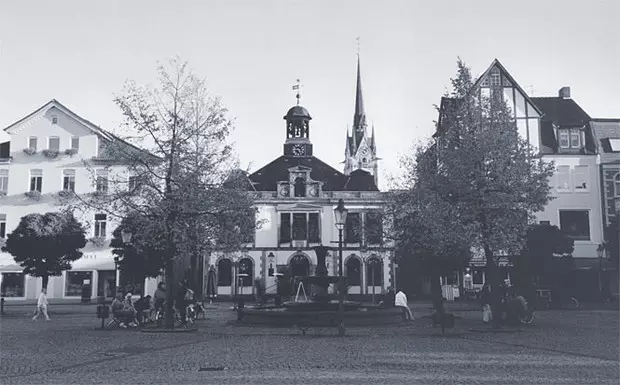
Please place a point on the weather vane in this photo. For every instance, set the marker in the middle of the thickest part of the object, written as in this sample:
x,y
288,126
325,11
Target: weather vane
x,y
297,87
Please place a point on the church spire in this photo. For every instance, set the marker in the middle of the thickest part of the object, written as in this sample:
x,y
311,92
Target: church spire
x,y
359,117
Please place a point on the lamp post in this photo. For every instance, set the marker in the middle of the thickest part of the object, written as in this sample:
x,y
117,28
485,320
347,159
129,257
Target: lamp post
x,y
600,251
126,238
340,216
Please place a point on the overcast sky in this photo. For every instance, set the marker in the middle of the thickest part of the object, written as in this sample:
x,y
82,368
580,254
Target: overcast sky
x,y
81,52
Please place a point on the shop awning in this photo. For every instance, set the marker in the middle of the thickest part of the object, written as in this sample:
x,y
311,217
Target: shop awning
x,y
91,260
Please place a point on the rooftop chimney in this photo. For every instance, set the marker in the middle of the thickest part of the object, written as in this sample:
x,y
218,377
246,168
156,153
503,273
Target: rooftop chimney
x,y
564,93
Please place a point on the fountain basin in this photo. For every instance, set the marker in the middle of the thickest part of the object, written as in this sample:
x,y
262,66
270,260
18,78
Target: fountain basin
x,y
319,305
285,317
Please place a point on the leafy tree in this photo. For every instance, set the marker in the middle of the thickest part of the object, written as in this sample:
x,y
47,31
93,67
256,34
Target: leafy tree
x,y
480,181
46,244
544,259
184,183
144,256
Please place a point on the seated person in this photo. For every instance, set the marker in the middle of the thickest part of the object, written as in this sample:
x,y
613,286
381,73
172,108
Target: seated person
x,y
143,308
122,312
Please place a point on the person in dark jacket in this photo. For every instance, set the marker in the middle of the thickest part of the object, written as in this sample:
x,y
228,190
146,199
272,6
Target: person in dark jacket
x,y
180,301
160,296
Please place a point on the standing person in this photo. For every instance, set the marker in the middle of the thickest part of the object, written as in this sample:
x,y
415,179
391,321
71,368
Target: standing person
x,y
160,296
180,301
42,305
400,300
485,298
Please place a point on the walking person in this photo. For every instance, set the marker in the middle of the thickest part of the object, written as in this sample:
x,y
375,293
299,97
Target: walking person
x,y
42,305
400,300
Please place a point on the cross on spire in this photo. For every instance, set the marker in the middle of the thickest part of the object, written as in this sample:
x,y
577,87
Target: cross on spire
x,y
297,87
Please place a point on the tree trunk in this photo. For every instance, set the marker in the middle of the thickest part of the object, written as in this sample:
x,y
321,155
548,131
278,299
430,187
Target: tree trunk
x,y
436,293
169,312
44,281
492,272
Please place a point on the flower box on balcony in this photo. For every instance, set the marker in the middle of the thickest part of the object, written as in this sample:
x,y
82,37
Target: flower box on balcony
x,y
34,195
70,151
65,193
29,151
50,153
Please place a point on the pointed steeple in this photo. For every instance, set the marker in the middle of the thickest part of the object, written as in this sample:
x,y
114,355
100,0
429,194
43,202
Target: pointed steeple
x,y
373,145
347,148
359,117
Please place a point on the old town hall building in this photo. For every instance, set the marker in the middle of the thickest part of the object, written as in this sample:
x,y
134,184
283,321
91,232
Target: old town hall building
x,y
295,195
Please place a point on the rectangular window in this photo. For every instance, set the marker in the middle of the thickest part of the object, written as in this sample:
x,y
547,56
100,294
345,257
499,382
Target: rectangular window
x,y
36,180
68,180
53,143
300,230
102,181
545,222
100,225
4,182
570,138
285,227
353,228
575,224
32,143
373,228
313,228
75,280
75,143
54,119
563,178
2,225
581,178
13,284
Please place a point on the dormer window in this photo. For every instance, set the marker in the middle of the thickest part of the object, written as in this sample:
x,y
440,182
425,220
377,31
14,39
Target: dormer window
x,y
570,138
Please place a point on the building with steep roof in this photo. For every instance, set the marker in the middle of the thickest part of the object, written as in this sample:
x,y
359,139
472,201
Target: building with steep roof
x,y
296,194
559,129
45,157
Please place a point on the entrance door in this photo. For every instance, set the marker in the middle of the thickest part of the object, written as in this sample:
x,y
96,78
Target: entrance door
x,y
106,284
300,266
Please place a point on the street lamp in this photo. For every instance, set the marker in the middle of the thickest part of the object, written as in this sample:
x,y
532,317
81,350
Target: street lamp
x,y
340,216
126,238
600,251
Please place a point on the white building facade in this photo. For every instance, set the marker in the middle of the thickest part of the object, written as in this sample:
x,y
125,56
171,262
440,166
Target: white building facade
x,y
45,158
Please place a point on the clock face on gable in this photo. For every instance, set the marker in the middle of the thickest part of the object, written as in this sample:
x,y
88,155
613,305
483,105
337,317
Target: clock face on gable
x,y
299,150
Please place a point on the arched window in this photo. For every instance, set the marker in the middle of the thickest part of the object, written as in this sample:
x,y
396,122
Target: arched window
x,y
246,266
374,272
224,272
300,266
300,187
354,272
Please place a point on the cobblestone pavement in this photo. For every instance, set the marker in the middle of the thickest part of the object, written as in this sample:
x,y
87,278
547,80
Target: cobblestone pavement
x,y
571,347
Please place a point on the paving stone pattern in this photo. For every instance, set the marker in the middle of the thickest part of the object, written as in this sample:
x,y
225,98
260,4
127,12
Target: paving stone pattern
x,y
571,347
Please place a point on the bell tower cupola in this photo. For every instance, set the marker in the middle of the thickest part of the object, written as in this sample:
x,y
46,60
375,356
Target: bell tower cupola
x,y
297,119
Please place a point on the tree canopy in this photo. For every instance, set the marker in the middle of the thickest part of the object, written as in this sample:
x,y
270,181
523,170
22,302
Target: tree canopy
x,y
184,182
477,184
46,244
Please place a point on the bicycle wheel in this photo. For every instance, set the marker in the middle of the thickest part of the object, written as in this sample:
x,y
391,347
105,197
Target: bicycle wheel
x,y
527,319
